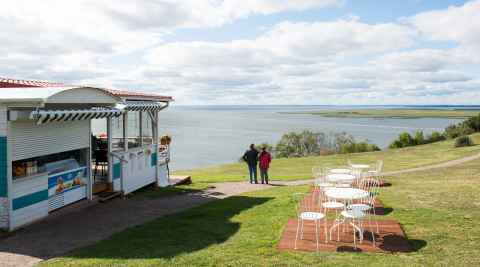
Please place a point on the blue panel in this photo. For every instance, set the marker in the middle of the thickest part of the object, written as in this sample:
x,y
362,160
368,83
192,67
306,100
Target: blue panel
x,y
30,199
116,170
3,166
154,159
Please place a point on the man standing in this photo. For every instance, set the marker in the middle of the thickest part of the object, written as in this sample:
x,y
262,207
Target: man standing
x,y
265,158
251,158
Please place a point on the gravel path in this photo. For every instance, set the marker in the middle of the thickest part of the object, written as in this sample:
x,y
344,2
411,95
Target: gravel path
x,y
86,224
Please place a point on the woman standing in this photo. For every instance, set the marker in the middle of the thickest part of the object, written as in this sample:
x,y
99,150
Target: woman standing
x,y
265,158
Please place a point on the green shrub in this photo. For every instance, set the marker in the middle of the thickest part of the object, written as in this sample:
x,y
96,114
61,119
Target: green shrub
x,y
404,140
396,144
358,147
419,139
435,137
464,140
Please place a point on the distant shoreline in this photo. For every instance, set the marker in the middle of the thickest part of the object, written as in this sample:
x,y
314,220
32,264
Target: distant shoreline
x,y
393,113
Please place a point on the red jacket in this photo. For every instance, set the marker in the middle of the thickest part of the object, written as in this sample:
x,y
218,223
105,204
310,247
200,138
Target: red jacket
x,y
265,158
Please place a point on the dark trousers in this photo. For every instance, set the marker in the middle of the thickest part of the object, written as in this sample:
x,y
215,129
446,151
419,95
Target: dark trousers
x,y
264,175
252,170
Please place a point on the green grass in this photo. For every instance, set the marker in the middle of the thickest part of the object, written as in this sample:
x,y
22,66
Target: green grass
x,y
301,168
396,113
438,209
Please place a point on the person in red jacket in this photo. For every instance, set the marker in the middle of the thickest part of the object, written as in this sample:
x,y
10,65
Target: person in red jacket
x,y
264,158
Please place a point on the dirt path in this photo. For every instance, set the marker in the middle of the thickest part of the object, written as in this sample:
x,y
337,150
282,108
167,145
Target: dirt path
x,y
446,164
85,225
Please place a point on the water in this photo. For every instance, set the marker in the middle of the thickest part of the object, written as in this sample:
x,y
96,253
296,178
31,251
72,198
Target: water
x,y
210,135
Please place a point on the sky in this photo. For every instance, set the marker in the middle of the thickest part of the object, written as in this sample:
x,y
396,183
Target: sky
x,y
263,52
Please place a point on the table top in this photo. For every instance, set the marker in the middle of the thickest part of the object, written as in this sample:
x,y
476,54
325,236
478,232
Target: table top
x,y
360,166
346,193
337,177
340,171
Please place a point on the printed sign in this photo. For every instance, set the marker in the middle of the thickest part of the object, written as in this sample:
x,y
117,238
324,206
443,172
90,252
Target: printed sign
x,y
66,181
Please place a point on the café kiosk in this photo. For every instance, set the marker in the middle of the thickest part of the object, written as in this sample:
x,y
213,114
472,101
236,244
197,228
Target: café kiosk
x,y
46,145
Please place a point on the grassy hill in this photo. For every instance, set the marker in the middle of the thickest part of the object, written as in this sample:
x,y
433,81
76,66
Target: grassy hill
x,y
438,209
300,168
396,113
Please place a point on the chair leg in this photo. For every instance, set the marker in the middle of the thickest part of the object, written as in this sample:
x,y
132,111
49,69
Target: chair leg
x,y
325,229
296,236
375,218
354,237
316,232
301,231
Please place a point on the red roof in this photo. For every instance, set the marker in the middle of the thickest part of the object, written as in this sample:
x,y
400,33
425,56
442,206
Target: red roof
x,y
14,83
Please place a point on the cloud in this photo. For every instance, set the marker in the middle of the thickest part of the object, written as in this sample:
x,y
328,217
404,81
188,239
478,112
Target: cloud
x,y
459,24
340,61
289,57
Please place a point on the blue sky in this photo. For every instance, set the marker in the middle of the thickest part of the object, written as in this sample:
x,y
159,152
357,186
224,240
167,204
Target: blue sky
x,y
370,11
252,51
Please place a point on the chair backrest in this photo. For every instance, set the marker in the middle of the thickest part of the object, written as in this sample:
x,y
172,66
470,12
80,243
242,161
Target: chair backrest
x,y
379,166
317,171
349,162
305,202
373,187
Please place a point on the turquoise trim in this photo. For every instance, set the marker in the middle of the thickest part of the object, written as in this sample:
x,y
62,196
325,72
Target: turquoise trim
x,y
116,170
3,167
154,159
28,200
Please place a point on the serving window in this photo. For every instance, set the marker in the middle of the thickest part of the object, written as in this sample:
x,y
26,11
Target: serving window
x,y
51,164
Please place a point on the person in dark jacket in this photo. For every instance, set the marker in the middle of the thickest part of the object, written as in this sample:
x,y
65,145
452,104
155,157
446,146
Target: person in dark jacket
x,y
251,158
264,163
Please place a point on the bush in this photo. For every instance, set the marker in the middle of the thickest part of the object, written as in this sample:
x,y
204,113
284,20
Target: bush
x,y
404,140
308,143
419,139
463,141
435,137
454,131
358,147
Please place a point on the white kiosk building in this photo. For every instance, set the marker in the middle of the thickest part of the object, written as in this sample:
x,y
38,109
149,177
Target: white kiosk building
x,y
49,157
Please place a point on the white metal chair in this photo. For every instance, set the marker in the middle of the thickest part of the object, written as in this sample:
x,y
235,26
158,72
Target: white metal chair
x,y
377,170
316,171
308,210
354,218
368,204
328,204
320,179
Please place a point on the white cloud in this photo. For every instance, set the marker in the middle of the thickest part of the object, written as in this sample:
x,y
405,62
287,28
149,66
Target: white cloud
x,y
341,61
459,24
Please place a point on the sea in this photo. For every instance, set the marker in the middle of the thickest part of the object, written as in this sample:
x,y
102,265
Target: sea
x,y
204,136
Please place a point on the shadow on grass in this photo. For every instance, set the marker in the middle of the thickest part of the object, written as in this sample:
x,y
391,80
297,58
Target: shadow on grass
x,y
175,234
154,191
382,210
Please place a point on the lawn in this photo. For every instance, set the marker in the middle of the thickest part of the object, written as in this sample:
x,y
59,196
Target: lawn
x,y
438,209
300,168
396,113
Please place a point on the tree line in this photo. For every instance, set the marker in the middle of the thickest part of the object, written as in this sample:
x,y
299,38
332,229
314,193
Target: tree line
x,y
309,143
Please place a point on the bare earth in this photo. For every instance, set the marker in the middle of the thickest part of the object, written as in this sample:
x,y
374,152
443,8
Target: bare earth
x,y
88,224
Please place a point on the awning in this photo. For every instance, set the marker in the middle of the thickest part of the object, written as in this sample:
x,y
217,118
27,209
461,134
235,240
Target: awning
x,y
144,106
46,116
